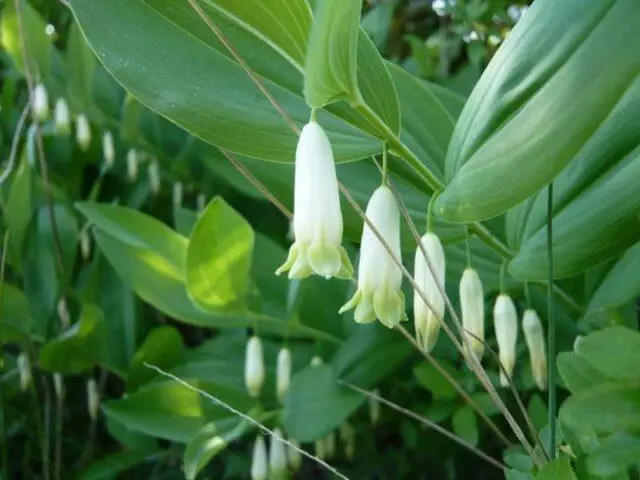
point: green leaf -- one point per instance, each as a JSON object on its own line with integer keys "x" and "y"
{"x": 613, "y": 351}
{"x": 537, "y": 411}
{"x": 615, "y": 455}
{"x": 621, "y": 283}
{"x": 161, "y": 348}
{"x": 110, "y": 466}
{"x": 219, "y": 257}
{"x": 606, "y": 408}
{"x": 81, "y": 64}
{"x": 79, "y": 348}
{"x": 465, "y": 424}
{"x": 430, "y": 378}
{"x": 330, "y": 72}
{"x": 558, "y": 469}
{"x": 495, "y": 161}
{"x": 242, "y": 120}
{"x": 37, "y": 41}
{"x": 15, "y": 321}
{"x": 19, "y": 209}
{"x": 578, "y": 373}
{"x": 171, "y": 411}
{"x": 316, "y": 404}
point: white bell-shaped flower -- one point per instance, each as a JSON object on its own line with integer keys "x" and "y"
{"x": 426, "y": 320}
{"x": 379, "y": 293}
{"x": 277, "y": 456}
{"x": 316, "y": 361}
{"x": 154, "y": 176}
{"x": 283, "y": 372}
{"x": 259, "y": 464}
{"x": 40, "y": 103}
{"x": 254, "y": 366}
{"x": 348, "y": 439}
{"x": 472, "y": 307}
{"x": 505, "y": 322}
{"x": 83, "y": 132}
{"x": 201, "y": 202}
{"x": 85, "y": 245}
{"x": 63, "y": 313}
{"x": 534, "y": 336}
{"x": 132, "y": 165}
{"x": 319, "y": 448}
{"x": 330, "y": 444}
{"x": 294, "y": 456}
{"x": 62, "y": 117}
{"x": 317, "y": 218}
{"x": 176, "y": 194}
{"x": 108, "y": 150}
{"x": 93, "y": 399}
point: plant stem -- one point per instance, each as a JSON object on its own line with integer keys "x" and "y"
{"x": 552, "y": 328}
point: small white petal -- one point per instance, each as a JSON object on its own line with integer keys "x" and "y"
{"x": 177, "y": 194}
{"x": 83, "y": 132}
{"x": 108, "y": 149}
{"x": 259, "y": 465}
{"x": 62, "y": 117}
{"x": 154, "y": 176}
{"x": 93, "y": 399}
{"x": 40, "y": 103}
{"x": 277, "y": 455}
{"x": 293, "y": 455}
{"x": 283, "y": 372}
{"x": 132, "y": 165}
{"x": 534, "y": 336}
{"x": 24, "y": 370}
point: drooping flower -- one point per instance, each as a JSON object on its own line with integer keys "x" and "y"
{"x": 154, "y": 176}
{"x": 348, "y": 439}
{"x": 505, "y": 320}
{"x": 472, "y": 307}
{"x": 317, "y": 218}
{"x": 534, "y": 336}
{"x": 40, "y": 103}
{"x": 24, "y": 371}
{"x": 254, "y": 366}
{"x": 283, "y": 372}
{"x": 83, "y": 132}
{"x": 330, "y": 444}
{"x": 259, "y": 465}
{"x": 63, "y": 313}
{"x": 132, "y": 165}
{"x": 93, "y": 399}
{"x": 85, "y": 245}
{"x": 379, "y": 277}
{"x": 293, "y": 455}
{"x": 62, "y": 117}
{"x": 201, "y": 202}
{"x": 426, "y": 320}
{"x": 58, "y": 385}
{"x": 277, "y": 456}
{"x": 108, "y": 150}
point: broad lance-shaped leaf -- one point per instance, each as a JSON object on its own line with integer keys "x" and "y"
{"x": 595, "y": 201}
{"x": 195, "y": 82}
{"x": 332, "y": 65}
{"x": 532, "y": 112}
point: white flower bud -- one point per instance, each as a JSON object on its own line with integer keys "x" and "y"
{"x": 62, "y": 117}
{"x": 348, "y": 438}
{"x": 259, "y": 466}
{"x": 40, "y": 103}
{"x": 85, "y": 245}
{"x": 534, "y": 336}
{"x": 24, "y": 370}
{"x": 426, "y": 321}
{"x": 177, "y": 194}
{"x": 374, "y": 408}
{"x": 63, "y": 313}
{"x": 277, "y": 456}
{"x": 330, "y": 444}
{"x": 93, "y": 399}
{"x": 505, "y": 321}
{"x": 294, "y": 456}
{"x": 201, "y": 202}
{"x": 577, "y": 342}
{"x": 379, "y": 277}
{"x": 316, "y": 361}
{"x": 132, "y": 165}
{"x": 283, "y": 372}
{"x": 317, "y": 218}
{"x": 58, "y": 385}
{"x": 154, "y": 176}
{"x": 472, "y": 307}
{"x": 83, "y": 132}
{"x": 254, "y": 366}
{"x": 108, "y": 150}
